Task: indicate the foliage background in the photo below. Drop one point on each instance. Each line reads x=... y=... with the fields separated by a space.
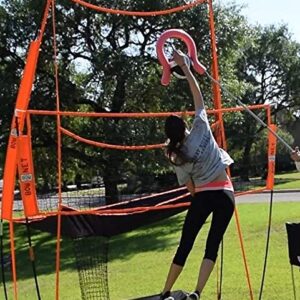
x=107 y=63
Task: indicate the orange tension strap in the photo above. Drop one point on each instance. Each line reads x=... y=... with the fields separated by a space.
x=26 y=176
x=22 y=102
x=138 y=13
x=9 y=177
x=271 y=157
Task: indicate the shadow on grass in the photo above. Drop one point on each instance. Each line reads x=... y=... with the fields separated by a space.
x=154 y=237
x=286 y=180
x=44 y=252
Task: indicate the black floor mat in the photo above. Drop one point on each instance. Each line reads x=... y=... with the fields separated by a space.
x=178 y=295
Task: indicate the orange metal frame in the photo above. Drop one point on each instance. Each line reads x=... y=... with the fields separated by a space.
x=19 y=156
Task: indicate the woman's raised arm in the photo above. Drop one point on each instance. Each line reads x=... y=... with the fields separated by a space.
x=180 y=59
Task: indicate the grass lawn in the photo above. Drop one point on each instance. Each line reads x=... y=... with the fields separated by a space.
x=139 y=261
x=287 y=181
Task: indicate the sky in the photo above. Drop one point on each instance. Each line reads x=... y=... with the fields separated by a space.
x=267 y=12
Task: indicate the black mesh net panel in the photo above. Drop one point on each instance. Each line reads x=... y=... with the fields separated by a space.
x=95 y=179
x=177 y=295
x=293 y=234
x=91 y=259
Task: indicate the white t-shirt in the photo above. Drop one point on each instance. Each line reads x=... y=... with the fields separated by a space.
x=205 y=159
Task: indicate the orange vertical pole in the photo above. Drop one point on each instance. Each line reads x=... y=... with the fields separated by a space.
x=272 y=147
x=239 y=230
x=59 y=155
x=13 y=258
x=215 y=74
x=10 y=169
x=271 y=157
x=27 y=83
x=219 y=118
x=219 y=133
x=24 y=93
x=22 y=102
x=9 y=176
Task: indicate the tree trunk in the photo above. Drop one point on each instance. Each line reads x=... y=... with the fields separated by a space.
x=111 y=190
x=246 y=162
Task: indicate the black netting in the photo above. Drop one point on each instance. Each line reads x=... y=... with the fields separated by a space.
x=91 y=259
x=293 y=233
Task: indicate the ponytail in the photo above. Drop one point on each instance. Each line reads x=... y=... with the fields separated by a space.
x=174 y=154
x=175 y=131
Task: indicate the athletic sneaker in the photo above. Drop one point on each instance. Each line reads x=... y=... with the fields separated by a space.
x=193 y=296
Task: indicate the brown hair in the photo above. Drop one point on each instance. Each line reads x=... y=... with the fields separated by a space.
x=175 y=131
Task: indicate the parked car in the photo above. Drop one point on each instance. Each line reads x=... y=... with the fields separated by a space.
x=97 y=181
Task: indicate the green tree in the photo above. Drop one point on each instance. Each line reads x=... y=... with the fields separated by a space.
x=268 y=66
x=107 y=63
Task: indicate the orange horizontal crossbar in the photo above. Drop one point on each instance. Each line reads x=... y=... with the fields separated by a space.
x=138 y=13
x=107 y=212
x=109 y=206
x=256 y=191
x=138 y=114
x=109 y=146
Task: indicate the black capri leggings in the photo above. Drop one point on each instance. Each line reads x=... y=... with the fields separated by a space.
x=221 y=204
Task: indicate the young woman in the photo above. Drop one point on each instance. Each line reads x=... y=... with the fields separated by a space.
x=200 y=165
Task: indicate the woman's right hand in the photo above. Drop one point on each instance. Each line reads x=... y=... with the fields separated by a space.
x=179 y=58
x=295 y=155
